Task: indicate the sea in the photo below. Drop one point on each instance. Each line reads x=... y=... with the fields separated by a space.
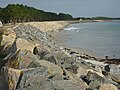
x=102 y=38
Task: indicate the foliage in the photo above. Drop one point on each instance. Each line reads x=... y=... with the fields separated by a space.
x=21 y=13
x=97 y=18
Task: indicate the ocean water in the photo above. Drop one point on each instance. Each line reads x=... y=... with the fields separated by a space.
x=103 y=38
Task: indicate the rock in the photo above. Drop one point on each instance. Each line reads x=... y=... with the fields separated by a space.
x=85 y=79
x=51 y=58
x=3 y=84
x=43 y=84
x=21 y=59
x=67 y=62
x=21 y=79
x=108 y=87
x=32 y=78
x=115 y=77
x=41 y=50
x=112 y=68
x=84 y=68
x=73 y=68
x=30 y=33
x=38 y=79
x=113 y=72
x=7 y=39
x=4 y=60
x=61 y=55
x=69 y=85
x=92 y=76
x=12 y=77
x=81 y=70
x=22 y=44
x=97 y=68
x=53 y=69
x=94 y=84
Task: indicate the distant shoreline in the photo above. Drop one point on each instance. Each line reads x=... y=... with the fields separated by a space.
x=54 y=25
x=83 y=52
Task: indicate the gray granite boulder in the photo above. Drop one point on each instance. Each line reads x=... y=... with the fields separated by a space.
x=21 y=59
x=115 y=77
x=112 y=68
x=52 y=68
x=51 y=58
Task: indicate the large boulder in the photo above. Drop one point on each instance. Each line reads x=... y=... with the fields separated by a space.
x=53 y=69
x=11 y=76
x=97 y=68
x=94 y=79
x=22 y=44
x=41 y=50
x=20 y=79
x=112 y=68
x=82 y=70
x=70 y=85
x=108 y=87
x=51 y=58
x=7 y=39
x=115 y=77
x=32 y=78
x=93 y=75
x=94 y=84
x=113 y=72
x=20 y=59
x=61 y=55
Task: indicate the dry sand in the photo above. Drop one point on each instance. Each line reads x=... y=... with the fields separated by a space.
x=51 y=25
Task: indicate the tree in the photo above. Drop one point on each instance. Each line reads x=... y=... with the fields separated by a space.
x=19 y=13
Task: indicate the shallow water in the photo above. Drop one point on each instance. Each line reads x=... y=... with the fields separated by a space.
x=103 y=38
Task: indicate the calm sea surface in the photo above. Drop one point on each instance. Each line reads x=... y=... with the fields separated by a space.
x=103 y=38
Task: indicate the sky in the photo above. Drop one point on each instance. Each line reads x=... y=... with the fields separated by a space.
x=77 y=8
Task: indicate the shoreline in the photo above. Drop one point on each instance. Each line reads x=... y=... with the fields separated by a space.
x=84 y=53
x=53 y=28
x=34 y=54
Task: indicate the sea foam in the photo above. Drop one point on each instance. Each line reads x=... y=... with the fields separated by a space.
x=71 y=28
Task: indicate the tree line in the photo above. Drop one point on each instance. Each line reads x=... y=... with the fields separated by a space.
x=16 y=13
x=96 y=18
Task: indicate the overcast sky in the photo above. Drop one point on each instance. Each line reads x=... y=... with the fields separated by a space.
x=87 y=8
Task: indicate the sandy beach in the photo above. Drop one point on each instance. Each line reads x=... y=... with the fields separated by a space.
x=51 y=25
